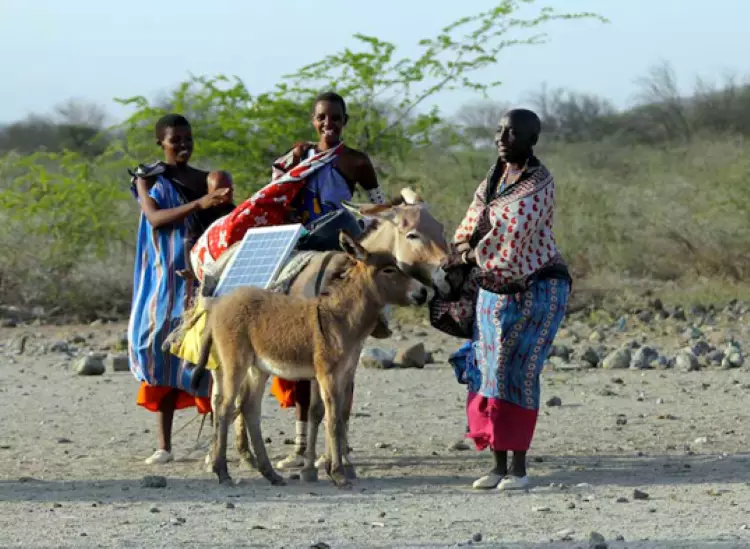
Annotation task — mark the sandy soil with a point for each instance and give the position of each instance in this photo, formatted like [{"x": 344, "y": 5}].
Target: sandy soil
[{"x": 72, "y": 450}]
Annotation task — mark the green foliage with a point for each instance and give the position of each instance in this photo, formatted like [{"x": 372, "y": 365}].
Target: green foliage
[
  {"x": 76, "y": 202},
  {"x": 67, "y": 198},
  {"x": 244, "y": 133}
]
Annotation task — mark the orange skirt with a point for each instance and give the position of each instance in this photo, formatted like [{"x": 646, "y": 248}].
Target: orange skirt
[
  {"x": 150, "y": 396},
  {"x": 284, "y": 391}
]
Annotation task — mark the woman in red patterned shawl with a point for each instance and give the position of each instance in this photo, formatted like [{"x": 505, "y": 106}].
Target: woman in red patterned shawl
[
  {"x": 309, "y": 181},
  {"x": 506, "y": 243}
]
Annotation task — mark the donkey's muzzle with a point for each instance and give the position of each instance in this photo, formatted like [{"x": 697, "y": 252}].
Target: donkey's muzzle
[{"x": 420, "y": 296}]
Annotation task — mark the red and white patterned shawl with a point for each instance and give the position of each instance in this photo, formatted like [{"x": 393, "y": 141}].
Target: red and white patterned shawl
[
  {"x": 514, "y": 228},
  {"x": 269, "y": 206}
]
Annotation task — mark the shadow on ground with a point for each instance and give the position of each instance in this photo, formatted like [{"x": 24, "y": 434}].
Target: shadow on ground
[{"x": 391, "y": 475}]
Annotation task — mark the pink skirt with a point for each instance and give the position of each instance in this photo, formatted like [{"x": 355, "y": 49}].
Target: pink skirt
[{"x": 499, "y": 424}]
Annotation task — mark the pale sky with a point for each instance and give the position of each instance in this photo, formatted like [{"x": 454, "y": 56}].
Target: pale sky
[{"x": 96, "y": 50}]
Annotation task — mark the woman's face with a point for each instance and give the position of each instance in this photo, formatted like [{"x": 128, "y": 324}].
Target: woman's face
[
  {"x": 177, "y": 144},
  {"x": 514, "y": 138},
  {"x": 329, "y": 121}
]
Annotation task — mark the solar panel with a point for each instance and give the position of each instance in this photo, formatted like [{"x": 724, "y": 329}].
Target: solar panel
[{"x": 259, "y": 258}]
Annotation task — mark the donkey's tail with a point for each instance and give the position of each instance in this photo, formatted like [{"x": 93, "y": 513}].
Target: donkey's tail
[{"x": 207, "y": 341}]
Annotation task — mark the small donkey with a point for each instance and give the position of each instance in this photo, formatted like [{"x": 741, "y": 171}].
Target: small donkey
[{"x": 258, "y": 333}]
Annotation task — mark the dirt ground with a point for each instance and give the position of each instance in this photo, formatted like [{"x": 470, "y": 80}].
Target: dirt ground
[{"x": 72, "y": 450}]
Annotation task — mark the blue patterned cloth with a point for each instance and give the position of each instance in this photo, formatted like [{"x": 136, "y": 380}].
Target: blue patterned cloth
[
  {"x": 323, "y": 193},
  {"x": 513, "y": 335},
  {"x": 159, "y": 297}
]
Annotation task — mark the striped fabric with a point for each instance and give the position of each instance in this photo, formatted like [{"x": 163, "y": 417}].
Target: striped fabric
[{"x": 159, "y": 297}]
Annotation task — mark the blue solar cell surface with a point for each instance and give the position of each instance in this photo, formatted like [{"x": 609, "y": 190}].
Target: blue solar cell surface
[{"x": 260, "y": 257}]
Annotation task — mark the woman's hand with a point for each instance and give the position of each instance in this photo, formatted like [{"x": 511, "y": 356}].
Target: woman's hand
[{"x": 215, "y": 198}]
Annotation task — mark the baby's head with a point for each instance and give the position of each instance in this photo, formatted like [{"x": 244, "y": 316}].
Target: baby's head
[{"x": 220, "y": 179}]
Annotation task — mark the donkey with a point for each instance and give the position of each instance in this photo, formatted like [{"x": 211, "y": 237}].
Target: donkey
[
  {"x": 258, "y": 333},
  {"x": 403, "y": 227}
]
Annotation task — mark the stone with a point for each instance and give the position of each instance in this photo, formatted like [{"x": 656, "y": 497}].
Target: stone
[
  {"x": 557, "y": 362},
  {"x": 700, "y": 347},
  {"x": 377, "y": 358},
  {"x": 643, "y": 358},
  {"x": 618, "y": 359},
  {"x": 596, "y": 336},
  {"x": 554, "y": 401},
  {"x": 686, "y": 361},
  {"x": 715, "y": 357},
  {"x": 597, "y": 541},
  {"x": 410, "y": 357},
  {"x": 77, "y": 339},
  {"x": 90, "y": 365},
  {"x": 59, "y": 347},
  {"x": 154, "y": 481},
  {"x": 591, "y": 357},
  {"x": 117, "y": 363},
  {"x": 645, "y": 316},
  {"x": 560, "y": 351},
  {"x": 732, "y": 357},
  {"x": 692, "y": 333},
  {"x": 664, "y": 363},
  {"x": 640, "y": 495},
  {"x": 460, "y": 446}
]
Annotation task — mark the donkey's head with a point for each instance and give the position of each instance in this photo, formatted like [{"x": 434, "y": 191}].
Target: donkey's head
[
  {"x": 379, "y": 271},
  {"x": 405, "y": 228}
]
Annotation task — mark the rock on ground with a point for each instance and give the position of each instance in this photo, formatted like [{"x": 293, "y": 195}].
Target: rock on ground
[{"x": 684, "y": 442}]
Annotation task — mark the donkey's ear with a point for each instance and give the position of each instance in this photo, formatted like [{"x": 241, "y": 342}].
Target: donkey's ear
[
  {"x": 355, "y": 209},
  {"x": 411, "y": 197},
  {"x": 368, "y": 210},
  {"x": 352, "y": 248}
]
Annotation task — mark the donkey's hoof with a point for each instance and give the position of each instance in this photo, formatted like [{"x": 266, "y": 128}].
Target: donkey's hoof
[
  {"x": 225, "y": 480},
  {"x": 223, "y": 474},
  {"x": 309, "y": 474},
  {"x": 340, "y": 481},
  {"x": 274, "y": 478},
  {"x": 338, "y": 475}
]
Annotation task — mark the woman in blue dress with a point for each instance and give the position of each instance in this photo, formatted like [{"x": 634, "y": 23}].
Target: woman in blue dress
[{"x": 175, "y": 206}]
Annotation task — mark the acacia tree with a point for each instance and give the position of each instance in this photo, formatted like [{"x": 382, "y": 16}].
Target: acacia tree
[{"x": 241, "y": 132}]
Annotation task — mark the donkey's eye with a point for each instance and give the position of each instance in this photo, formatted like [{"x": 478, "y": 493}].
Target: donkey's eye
[
  {"x": 413, "y": 236},
  {"x": 390, "y": 270}
]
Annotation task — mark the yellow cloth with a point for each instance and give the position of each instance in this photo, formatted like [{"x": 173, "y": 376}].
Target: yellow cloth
[{"x": 190, "y": 347}]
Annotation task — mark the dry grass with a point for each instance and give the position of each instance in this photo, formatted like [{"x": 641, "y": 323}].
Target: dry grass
[{"x": 671, "y": 219}]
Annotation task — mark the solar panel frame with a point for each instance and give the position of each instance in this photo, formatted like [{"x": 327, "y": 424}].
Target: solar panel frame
[{"x": 260, "y": 257}]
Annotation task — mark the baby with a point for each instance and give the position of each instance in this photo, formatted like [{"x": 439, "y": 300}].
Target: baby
[
  {"x": 215, "y": 180},
  {"x": 221, "y": 179}
]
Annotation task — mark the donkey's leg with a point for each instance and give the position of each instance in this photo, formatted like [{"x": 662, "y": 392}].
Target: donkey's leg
[
  {"x": 225, "y": 412},
  {"x": 241, "y": 442},
  {"x": 348, "y": 465},
  {"x": 309, "y": 472},
  {"x": 333, "y": 393},
  {"x": 251, "y": 409},
  {"x": 215, "y": 399}
]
